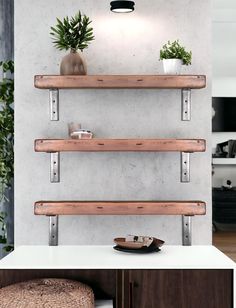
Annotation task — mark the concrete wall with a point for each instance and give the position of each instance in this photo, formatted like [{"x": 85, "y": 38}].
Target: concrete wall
[{"x": 125, "y": 44}]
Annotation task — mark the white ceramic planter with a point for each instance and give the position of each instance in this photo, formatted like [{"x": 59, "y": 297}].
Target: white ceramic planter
[{"x": 172, "y": 66}]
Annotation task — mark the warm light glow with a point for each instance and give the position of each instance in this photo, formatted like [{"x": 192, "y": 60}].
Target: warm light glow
[
  {"x": 130, "y": 37},
  {"x": 122, "y": 10}
]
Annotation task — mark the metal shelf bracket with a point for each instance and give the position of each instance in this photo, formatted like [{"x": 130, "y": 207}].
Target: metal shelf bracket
[
  {"x": 186, "y": 104},
  {"x": 187, "y": 230},
  {"x": 55, "y": 167},
  {"x": 185, "y": 167},
  {"x": 54, "y": 104},
  {"x": 53, "y": 230}
]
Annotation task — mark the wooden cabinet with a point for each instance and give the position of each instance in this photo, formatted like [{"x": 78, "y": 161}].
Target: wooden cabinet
[
  {"x": 178, "y": 288},
  {"x": 164, "y": 288}
]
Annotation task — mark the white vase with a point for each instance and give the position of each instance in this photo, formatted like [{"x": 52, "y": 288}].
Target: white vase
[{"x": 172, "y": 66}]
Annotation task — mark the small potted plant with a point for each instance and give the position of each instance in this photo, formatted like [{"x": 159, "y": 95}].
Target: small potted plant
[
  {"x": 72, "y": 34},
  {"x": 174, "y": 56}
]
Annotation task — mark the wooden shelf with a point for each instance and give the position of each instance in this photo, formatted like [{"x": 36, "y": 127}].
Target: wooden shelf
[
  {"x": 120, "y": 81},
  {"x": 55, "y": 146},
  {"x": 107, "y": 145},
  {"x": 56, "y": 82},
  {"x": 224, "y": 161},
  {"x": 51, "y": 208}
]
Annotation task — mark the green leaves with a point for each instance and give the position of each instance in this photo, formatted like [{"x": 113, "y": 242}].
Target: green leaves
[
  {"x": 6, "y": 140},
  {"x": 8, "y": 248},
  {"x": 175, "y": 51},
  {"x": 3, "y": 233},
  {"x": 73, "y": 33},
  {"x": 7, "y": 66},
  {"x": 6, "y": 128},
  {"x": 3, "y": 228}
]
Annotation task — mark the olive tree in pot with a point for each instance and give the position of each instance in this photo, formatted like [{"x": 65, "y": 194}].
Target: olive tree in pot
[
  {"x": 174, "y": 56},
  {"x": 6, "y": 151},
  {"x": 73, "y": 34}
]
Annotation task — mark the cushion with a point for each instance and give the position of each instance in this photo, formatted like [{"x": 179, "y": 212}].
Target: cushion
[{"x": 47, "y": 293}]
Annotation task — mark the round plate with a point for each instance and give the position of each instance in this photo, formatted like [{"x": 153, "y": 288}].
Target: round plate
[{"x": 152, "y": 248}]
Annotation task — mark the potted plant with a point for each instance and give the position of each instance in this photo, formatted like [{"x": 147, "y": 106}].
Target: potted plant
[
  {"x": 174, "y": 56},
  {"x": 72, "y": 34},
  {"x": 6, "y": 151}
]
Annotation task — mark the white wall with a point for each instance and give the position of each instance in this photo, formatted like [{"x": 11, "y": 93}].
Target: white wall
[
  {"x": 224, "y": 48},
  {"x": 224, "y": 73},
  {"x": 125, "y": 44}
]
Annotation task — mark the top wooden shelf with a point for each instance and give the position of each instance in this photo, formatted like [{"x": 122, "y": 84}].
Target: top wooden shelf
[
  {"x": 120, "y": 82},
  {"x": 133, "y": 145}
]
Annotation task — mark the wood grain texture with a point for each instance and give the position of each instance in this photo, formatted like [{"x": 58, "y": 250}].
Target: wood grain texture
[
  {"x": 120, "y": 82},
  {"x": 126, "y": 145},
  {"x": 144, "y": 288},
  {"x": 226, "y": 242},
  {"x": 119, "y": 208},
  {"x": 150, "y": 288},
  {"x": 181, "y": 288}
]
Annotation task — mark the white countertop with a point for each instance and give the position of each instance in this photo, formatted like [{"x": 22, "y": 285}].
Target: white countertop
[
  {"x": 105, "y": 257},
  {"x": 103, "y": 303}
]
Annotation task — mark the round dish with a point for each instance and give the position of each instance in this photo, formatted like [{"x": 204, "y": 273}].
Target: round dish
[{"x": 152, "y": 248}]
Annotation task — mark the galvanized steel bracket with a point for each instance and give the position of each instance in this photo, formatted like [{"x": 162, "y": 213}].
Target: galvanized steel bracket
[
  {"x": 55, "y": 167},
  {"x": 53, "y": 230},
  {"x": 185, "y": 167},
  {"x": 187, "y": 230},
  {"x": 54, "y": 104},
  {"x": 186, "y": 104}
]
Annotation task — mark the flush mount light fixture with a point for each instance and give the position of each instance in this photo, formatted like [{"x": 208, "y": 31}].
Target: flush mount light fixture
[{"x": 122, "y": 6}]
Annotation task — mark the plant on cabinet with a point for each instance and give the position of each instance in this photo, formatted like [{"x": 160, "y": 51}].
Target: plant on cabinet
[
  {"x": 73, "y": 34},
  {"x": 174, "y": 56}
]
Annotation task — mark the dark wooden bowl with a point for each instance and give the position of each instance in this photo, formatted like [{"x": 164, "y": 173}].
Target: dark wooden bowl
[{"x": 121, "y": 242}]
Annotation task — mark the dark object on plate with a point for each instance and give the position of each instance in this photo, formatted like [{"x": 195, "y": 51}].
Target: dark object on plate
[
  {"x": 145, "y": 249},
  {"x": 122, "y": 243}
]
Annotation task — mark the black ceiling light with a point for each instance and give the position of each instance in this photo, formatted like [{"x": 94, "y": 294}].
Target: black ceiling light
[{"x": 123, "y": 6}]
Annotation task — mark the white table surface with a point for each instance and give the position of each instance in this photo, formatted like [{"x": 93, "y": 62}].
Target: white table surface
[
  {"x": 103, "y": 304},
  {"x": 105, "y": 257}
]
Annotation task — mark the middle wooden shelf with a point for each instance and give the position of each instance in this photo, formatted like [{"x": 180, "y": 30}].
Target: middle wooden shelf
[
  {"x": 53, "y": 209},
  {"x": 55, "y": 146}
]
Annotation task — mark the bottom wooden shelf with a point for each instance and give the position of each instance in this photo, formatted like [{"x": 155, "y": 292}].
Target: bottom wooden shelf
[{"x": 51, "y": 208}]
